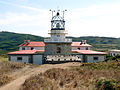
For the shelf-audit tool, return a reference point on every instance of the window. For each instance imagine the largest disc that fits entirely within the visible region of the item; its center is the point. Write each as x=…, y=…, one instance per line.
x=78, y=48
x=58, y=50
x=113, y=54
x=23, y=48
x=95, y=58
x=58, y=35
x=19, y=58
x=86, y=48
x=59, y=59
x=32, y=48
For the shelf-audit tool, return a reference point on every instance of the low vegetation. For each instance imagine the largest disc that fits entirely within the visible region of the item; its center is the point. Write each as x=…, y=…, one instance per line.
x=104, y=84
x=6, y=68
x=88, y=76
x=4, y=79
x=9, y=41
x=3, y=58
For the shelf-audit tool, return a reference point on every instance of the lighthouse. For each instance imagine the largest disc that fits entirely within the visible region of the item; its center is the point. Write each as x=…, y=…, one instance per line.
x=57, y=43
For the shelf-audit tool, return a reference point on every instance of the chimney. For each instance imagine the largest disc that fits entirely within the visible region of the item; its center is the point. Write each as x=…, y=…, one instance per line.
x=83, y=42
x=28, y=41
x=24, y=41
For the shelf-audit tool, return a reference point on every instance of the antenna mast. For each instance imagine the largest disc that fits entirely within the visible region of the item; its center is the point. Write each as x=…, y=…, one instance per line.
x=64, y=12
x=52, y=12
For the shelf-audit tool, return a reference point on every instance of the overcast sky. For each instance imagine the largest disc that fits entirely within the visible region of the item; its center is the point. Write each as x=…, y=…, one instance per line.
x=83, y=17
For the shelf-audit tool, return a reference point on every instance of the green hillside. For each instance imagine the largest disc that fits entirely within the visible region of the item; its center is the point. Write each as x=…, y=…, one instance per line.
x=100, y=43
x=9, y=41
x=98, y=40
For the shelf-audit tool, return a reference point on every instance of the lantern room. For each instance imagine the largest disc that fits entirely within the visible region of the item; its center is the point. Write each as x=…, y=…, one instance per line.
x=57, y=22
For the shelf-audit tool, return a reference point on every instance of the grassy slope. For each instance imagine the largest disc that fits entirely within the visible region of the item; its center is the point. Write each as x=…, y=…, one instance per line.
x=3, y=58
x=9, y=41
x=88, y=76
x=6, y=68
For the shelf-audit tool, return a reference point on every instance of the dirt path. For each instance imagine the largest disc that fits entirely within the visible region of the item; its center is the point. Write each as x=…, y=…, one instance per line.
x=27, y=72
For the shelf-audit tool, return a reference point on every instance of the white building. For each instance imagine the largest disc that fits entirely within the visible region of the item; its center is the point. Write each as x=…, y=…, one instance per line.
x=56, y=48
x=81, y=45
x=27, y=56
x=90, y=56
x=114, y=52
x=27, y=45
x=36, y=55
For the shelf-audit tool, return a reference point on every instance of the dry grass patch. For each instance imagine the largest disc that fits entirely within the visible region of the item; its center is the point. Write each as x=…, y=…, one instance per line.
x=4, y=79
x=6, y=69
x=38, y=82
x=85, y=77
x=3, y=59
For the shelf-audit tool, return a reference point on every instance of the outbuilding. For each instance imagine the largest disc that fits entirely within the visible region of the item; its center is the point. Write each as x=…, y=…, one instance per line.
x=90, y=56
x=27, y=56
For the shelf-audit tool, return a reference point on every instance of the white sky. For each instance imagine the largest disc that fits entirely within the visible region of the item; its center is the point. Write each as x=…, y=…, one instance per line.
x=82, y=19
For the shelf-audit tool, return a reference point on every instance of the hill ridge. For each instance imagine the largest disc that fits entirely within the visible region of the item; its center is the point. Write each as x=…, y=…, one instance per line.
x=9, y=41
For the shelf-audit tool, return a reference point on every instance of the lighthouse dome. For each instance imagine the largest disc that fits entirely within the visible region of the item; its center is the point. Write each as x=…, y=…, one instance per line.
x=57, y=17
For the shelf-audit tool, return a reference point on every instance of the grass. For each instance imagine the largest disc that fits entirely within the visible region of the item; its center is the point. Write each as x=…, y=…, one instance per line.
x=4, y=79
x=3, y=58
x=88, y=76
x=104, y=84
x=105, y=47
x=6, y=68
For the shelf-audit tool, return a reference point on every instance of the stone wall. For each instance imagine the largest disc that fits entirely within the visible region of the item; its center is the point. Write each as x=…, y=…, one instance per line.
x=51, y=48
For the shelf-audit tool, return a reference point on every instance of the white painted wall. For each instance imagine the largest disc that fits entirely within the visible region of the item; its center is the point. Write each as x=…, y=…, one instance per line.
x=20, y=48
x=90, y=58
x=38, y=48
x=35, y=48
x=81, y=56
x=113, y=53
x=26, y=48
x=24, y=58
x=57, y=34
x=81, y=48
x=37, y=59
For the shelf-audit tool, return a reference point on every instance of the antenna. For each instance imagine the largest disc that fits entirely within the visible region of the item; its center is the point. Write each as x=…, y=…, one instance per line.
x=58, y=9
x=64, y=12
x=52, y=11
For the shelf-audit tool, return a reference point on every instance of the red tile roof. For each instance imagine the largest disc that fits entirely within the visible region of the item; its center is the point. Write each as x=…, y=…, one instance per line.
x=27, y=52
x=42, y=51
x=42, y=44
x=89, y=52
x=76, y=44
x=33, y=44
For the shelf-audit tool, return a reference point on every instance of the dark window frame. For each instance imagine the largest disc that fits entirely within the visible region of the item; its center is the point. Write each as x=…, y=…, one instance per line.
x=95, y=58
x=32, y=48
x=58, y=50
x=23, y=48
x=19, y=58
x=78, y=48
x=86, y=48
x=58, y=35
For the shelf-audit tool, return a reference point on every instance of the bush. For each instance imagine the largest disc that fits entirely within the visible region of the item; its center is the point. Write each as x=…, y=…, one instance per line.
x=4, y=79
x=106, y=84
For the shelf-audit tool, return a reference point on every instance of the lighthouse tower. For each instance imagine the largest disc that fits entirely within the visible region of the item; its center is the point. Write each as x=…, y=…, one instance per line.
x=57, y=43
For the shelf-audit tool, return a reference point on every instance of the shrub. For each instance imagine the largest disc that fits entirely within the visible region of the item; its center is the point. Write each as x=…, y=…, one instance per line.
x=106, y=84
x=4, y=79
